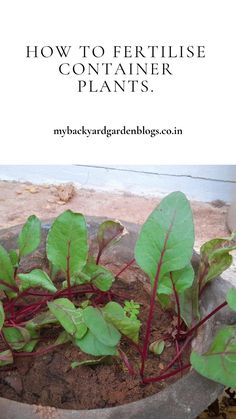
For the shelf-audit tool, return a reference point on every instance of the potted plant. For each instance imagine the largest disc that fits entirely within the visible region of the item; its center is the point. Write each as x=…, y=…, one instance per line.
x=75, y=301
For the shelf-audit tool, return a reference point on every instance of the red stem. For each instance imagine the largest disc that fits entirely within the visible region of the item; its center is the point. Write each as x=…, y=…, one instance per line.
x=186, y=343
x=5, y=341
x=11, y=287
x=15, y=271
x=126, y=362
x=180, y=351
x=177, y=304
x=89, y=289
x=136, y=345
x=200, y=289
x=179, y=355
x=68, y=271
x=165, y=376
x=40, y=294
x=125, y=267
x=98, y=256
x=39, y=352
x=72, y=292
x=201, y=322
x=152, y=305
x=119, y=296
x=27, y=309
x=11, y=303
x=33, y=308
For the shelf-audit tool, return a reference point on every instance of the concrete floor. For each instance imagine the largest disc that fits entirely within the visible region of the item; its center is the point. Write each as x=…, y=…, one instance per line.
x=201, y=182
x=19, y=200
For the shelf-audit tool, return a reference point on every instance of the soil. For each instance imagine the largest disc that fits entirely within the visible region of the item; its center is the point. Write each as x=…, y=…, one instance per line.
x=50, y=380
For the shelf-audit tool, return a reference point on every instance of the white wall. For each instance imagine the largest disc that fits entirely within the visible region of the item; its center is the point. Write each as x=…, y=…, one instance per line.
x=203, y=183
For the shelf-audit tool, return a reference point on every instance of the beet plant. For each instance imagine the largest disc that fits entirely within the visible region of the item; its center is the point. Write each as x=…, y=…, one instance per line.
x=85, y=310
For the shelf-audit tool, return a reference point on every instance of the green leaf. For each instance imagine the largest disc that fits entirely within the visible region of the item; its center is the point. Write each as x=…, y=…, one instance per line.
x=109, y=233
x=210, y=268
x=105, y=332
x=6, y=358
x=85, y=303
x=2, y=316
x=183, y=278
x=67, y=245
x=70, y=318
x=189, y=304
x=157, y=347
x=75, y=364
x=219, y=246
x=131, y=308
x=30, y=236
x=88, y=362
x=115, y=314
x=41, y=320
x=165, y=242
x=63, y=337
x=215, y=258
x=231, y=298
x=34, y=338
x=186, y=307
x=165, y=301
x=78, y=278
x=16, y=337
x=6, y=270
x=92, y=346
x=165, y=286
x=36, y=278
x=187, y=290
x=100, y=276
x=54, y=270
x=20, y=339
x=219, y=362
x=14, y=256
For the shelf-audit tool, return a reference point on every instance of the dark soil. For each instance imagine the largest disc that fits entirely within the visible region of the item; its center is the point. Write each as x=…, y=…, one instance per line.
x=49, y=379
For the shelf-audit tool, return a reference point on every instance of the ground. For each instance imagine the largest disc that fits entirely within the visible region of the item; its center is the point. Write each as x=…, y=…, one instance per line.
x=19, y=200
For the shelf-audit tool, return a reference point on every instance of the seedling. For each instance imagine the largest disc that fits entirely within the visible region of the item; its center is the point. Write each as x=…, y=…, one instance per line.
x=85, y=308
x=132, y=309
